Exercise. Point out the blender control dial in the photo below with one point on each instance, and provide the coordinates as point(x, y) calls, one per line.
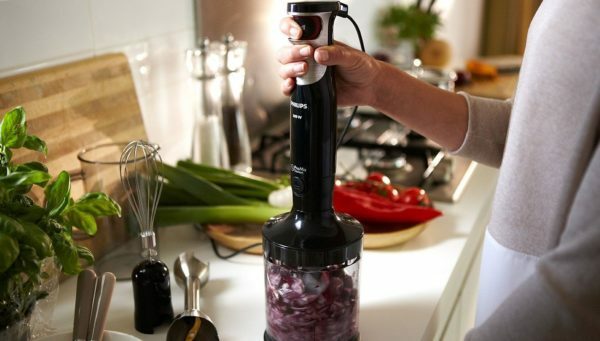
point(297, 186)
point(311, 26)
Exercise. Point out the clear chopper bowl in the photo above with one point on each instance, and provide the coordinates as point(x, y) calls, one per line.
point(312, 304)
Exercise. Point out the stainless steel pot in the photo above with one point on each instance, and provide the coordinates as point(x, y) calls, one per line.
point(443, 79)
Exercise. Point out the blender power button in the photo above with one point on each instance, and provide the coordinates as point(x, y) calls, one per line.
point(311, 26)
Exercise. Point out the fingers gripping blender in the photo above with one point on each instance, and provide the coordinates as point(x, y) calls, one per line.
point(312, 254)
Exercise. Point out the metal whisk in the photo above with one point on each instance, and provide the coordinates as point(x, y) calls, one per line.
point(140, 168)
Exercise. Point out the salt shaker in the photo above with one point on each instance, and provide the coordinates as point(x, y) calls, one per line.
point(209, 145)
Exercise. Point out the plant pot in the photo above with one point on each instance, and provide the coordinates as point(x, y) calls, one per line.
point(20, 331)
point(37, 322)
point(435, 52)
point(41, 318)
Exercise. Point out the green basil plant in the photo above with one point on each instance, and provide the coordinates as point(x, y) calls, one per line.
point(30, 233)
point(409, 22)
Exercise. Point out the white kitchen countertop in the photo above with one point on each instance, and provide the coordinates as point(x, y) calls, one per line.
point(406, 292)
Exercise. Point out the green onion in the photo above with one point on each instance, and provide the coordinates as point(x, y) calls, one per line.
point(249, 193)
point(174, 196)
point(227, 178)
point(201, 188)
point(173, 215)
point(195, 193)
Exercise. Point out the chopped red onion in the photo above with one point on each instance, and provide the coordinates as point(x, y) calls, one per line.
point(312, 305)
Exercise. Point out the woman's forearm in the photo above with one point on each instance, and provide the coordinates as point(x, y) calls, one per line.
point(438, 114)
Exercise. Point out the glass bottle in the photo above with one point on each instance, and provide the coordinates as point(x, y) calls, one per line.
point(234, 120)
point(209, 145)
point(151, 293)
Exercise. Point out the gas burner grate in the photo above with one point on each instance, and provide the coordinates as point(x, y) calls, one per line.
point(379, 144)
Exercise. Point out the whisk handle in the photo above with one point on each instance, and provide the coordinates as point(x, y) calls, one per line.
point(148, 240)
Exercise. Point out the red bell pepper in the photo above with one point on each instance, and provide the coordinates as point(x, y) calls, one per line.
point(373, 209)
point(378, 183)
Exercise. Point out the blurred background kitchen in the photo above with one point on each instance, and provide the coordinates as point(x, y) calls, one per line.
point(470, 45)
point(155, 33)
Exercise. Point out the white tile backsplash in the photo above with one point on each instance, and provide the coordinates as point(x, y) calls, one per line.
point(164, 94)
point(117, 22)
point(152, 33)
point(162, 87)
point(35, 31)
point(169, 120)
point(159, 61)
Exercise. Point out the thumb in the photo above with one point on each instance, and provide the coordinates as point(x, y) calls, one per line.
point(336, 55)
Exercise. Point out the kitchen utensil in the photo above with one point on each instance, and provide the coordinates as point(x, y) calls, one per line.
point(312, 254)
point(253, 23)
point(209, 145)
point(191, 274)
point(443, 79)
point(233, 75)
point(379, 237)
point(84, 298)
point(102, 295)
point(140, 175)
point(109, 335)
point(431, 167)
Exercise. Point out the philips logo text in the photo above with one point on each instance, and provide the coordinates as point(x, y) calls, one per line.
point(299, 105)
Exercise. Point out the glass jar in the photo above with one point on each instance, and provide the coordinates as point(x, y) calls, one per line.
point(312, 304)
point(116, 246)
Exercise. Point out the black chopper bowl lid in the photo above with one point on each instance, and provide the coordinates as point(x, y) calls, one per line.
point(284, 245)
point(313, 6)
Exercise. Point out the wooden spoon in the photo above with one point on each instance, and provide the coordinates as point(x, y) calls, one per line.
point(86, 284)
point(102, 296)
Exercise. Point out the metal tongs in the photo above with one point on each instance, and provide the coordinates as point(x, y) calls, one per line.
point(91, 305)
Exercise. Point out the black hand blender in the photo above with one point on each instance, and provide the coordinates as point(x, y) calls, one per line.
point(312, 254)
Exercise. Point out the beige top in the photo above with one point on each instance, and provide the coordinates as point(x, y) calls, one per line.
point(547, 205)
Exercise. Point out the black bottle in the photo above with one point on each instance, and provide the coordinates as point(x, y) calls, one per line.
point(152, 295)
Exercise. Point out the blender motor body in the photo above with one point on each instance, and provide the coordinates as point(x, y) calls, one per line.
point(312, 254)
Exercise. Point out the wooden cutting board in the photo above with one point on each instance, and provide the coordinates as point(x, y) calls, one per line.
point(239, 236)
point(73, 106)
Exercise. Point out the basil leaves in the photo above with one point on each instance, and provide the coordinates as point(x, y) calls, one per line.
point(29, 232)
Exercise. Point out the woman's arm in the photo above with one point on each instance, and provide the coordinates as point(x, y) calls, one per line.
point(438, 114)
point(472, 126)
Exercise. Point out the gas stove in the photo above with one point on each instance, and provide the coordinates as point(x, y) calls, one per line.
point(376, 143)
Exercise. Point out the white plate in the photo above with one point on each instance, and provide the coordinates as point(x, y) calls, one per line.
point(108, 336)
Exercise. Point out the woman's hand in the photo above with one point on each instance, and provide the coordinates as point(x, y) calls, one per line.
point(361, 80)
point(355, 72)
